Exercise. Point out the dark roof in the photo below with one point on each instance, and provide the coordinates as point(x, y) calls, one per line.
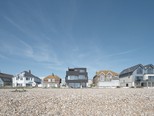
point(149, 65)
point(29, 74)
point(72, 69)
point(6, 77)
point(130, 70)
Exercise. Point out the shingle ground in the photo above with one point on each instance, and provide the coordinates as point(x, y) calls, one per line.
point(77, 102)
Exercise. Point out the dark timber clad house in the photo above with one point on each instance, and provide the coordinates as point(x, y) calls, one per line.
point(76, 77)
point(5, 79)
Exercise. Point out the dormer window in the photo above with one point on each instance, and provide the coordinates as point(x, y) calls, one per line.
point(139, 70)
point(109, 76)
point(102, 77)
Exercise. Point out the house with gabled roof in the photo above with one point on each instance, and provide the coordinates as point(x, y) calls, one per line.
point(26, 78)
point(51, 81)
point(137, 76)
point(5, 79)
point(106, 78)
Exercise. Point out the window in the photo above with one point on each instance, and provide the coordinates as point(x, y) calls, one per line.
point(138, 78)
point(102, 77)
point(82, 77)
point(73, 77)
point(81, 71)
point(139, 70)
point(49, 80)
point(149, 70)
point(27, 78)
point(109, 77)
point(74, 85)
point(53, 80)
point(21, 78)
point(151, 78)
point(17, 78)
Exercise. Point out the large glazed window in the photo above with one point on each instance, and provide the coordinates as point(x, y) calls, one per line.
point(150, 78)
point(138, 78)
point(82, 77)
point(150, 70)
point(74, 85)
point(82, 71)
point(139, 70)
point(73, 77)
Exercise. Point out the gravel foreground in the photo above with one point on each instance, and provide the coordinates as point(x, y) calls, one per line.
point(77, 102)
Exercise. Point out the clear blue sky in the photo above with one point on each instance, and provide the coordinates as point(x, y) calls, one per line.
point(48, 36)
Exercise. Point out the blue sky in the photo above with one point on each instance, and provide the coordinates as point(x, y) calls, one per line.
point(48, 36)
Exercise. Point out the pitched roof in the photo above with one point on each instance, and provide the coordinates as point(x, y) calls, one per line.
point(51, 77)
point(106, 72)
point(6, 77)
point(29, 74)
point(149, 65)
point(130, 70)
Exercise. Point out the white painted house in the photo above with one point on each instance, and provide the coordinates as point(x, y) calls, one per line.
point(105, 79)
point(137, 76)
point(25, 79)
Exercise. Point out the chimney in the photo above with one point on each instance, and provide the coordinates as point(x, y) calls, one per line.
point(30, 71)
point(52, 74)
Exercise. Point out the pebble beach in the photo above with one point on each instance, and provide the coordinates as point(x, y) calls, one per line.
point(77, 102)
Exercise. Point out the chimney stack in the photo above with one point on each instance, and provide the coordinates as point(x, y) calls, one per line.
point(30, 71)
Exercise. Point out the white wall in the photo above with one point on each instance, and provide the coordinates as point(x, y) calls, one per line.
point(129, 79)
point(113, 83)
point(23, 82)
point(126, 80)
point(89, 83)
point(1, 83)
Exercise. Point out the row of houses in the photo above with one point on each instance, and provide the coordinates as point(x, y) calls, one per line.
point(135, 76)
